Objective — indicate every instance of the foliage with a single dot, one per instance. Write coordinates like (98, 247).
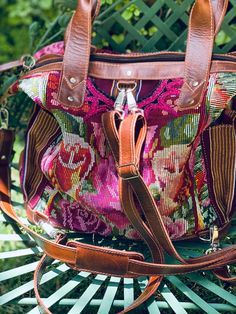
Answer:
(27, 26)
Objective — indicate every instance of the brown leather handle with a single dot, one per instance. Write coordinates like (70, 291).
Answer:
(201, 34)
(76, 57)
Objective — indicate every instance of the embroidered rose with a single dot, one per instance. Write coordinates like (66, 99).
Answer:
(74, 162)
(70, 215)
(106, 200)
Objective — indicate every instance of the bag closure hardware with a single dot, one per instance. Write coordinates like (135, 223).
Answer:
(214, 239)
(49, 229)
(126, 97)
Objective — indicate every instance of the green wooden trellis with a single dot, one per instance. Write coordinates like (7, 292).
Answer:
(156, 25)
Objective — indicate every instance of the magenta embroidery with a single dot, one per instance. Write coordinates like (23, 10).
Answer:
(69, 215)
(80, 169)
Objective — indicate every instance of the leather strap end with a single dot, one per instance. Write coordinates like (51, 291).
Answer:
(71, 96)
(191, 98)
(76, 58)
(198, 55)
(103, 260)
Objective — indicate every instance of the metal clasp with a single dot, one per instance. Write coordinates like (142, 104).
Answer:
(49, 229)
(215, 242)
(28, 62)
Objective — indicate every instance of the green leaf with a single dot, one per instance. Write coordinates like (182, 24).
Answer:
(118, 38)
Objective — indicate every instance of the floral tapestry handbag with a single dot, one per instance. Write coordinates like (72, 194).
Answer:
(135, 145)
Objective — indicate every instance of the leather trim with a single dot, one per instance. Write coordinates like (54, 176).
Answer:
(140, 71)
(197, 64)
(198, 55)
(76, 58)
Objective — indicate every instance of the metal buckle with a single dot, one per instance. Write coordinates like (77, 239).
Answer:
(130, 178)
(28, 62)
(49, 229)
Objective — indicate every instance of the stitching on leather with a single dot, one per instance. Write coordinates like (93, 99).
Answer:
(132, 203)
(158, 218)
(98, 63)
(130, 193)
(223, 11)
(104, 250)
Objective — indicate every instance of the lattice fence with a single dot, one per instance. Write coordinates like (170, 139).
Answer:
(155, 25)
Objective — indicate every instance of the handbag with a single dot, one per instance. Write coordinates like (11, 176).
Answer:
(140, 145)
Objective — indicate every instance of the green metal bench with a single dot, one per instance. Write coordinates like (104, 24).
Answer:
(65, 290)
(158, 26)
(77, 292)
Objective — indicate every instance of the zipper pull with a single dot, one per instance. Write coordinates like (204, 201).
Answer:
(120, 101)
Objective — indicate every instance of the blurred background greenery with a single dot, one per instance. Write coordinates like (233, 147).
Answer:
(123, 25)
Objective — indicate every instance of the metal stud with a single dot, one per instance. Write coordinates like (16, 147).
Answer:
(73, 80)
(195, 83)
(3, 157)
(70, 98)
(191, 101)
(129, 73)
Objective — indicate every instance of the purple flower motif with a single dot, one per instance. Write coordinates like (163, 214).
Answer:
(105, 200)
(70, 215)
(177, 228)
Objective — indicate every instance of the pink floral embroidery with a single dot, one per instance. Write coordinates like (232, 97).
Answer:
(74, 162)
(55, 48)
(105, 200)
(176, 228)
(82, 168)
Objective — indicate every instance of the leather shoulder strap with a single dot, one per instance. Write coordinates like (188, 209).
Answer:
(76, 57)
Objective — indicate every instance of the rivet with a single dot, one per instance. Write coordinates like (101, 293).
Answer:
(3, 157)
(195, 83)
(73, 80)
(191, 101)
(129, 73)
(70, 98)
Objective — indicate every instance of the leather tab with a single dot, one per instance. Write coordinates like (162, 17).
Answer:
(132, 134)
(198, 55)
(76, 59)
(103, 260)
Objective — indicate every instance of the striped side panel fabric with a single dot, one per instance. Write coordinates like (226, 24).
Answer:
(222, 149)
(42, 132)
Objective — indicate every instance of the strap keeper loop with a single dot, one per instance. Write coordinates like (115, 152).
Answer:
(128, 171)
